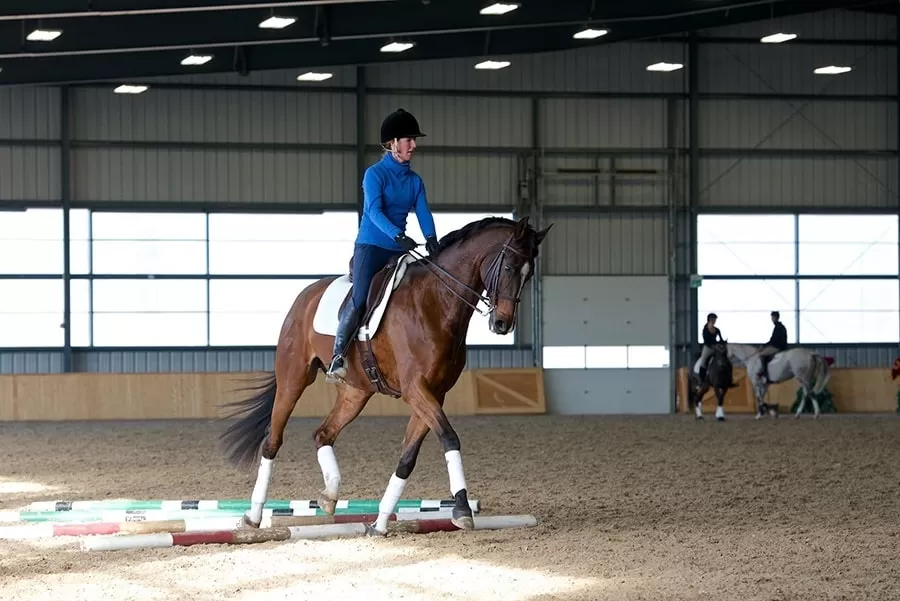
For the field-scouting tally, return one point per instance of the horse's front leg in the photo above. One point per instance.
(416, 430)
(720, 401)
(430, 409)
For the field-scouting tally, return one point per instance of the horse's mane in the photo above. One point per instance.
(467, 230)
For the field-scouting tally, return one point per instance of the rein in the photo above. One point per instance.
(493, 279)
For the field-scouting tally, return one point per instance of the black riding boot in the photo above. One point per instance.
(346, 330)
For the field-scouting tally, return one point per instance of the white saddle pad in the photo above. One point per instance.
(325, 321)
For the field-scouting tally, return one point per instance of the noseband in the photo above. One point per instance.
(492, 280)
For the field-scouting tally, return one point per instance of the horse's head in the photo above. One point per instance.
(506, 271)
(721, 348)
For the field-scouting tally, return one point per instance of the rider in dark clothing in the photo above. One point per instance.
(777, 343)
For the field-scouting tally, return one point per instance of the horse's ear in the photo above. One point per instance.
(521, 227)
(543, 233)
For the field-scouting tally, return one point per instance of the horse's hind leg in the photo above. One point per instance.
(416, 430)
(804, 394)
(291, 385)
(349, 403)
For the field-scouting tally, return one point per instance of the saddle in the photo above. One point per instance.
(377, 287)
(374, 296)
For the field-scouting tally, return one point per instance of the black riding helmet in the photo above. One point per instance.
(399, 124)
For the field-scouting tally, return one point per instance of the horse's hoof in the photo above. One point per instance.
(326, 504)
(371, 531)
(465, 522)
(246, 522)
(699, 417)
(720, 419)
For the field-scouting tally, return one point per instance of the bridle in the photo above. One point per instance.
(492, 280)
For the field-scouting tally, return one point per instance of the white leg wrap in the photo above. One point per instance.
(331, 474)
(455, 471)
(388, 503)
(260, 489)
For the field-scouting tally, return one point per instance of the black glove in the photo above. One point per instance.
(431, 245)
(405, 242)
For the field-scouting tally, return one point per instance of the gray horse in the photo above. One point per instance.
(808, 367)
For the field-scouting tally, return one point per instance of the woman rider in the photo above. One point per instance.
(391, 189)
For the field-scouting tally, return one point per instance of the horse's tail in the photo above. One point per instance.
(242, 440)
(822, 373)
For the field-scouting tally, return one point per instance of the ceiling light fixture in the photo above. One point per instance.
(44, 35)
(492, 65)
(130, 89)
(777, 38)
(196, 59)
(397, 47)
(664, 67)
(499, 8)
(313, 76)
(274, 22)
(831, 70)
(590, 34)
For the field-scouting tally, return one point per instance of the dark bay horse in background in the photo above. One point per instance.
(418, 354)
(716, 375)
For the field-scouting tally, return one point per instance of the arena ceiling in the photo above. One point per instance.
(116, 40)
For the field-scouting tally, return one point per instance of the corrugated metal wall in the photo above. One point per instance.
(489, 135)
(812, 150)
(204, 146)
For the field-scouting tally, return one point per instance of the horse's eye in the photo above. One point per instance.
(508, 268)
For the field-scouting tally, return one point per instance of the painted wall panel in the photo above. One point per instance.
(608, 391)
(226, 176)
(215, 116)
(817, 125)
(601, 68)
(786, 69)
(611, 244)
(809, 182)
(602, 123)
(605, 311)
(30, 113)
(29, 173)
(457, 120)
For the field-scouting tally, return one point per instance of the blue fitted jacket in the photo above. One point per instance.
(391, 190)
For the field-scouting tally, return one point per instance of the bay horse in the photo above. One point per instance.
(418, 354)
(810, 369)
(716, 375)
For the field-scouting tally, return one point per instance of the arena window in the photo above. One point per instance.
(848, 245)
(848, 311)
(148, 243)
(739, 255)
(282, 244)
(250, 312)
(744, 307)
(31, 313)
(31, 242)
(742, 245)
(144, 312)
